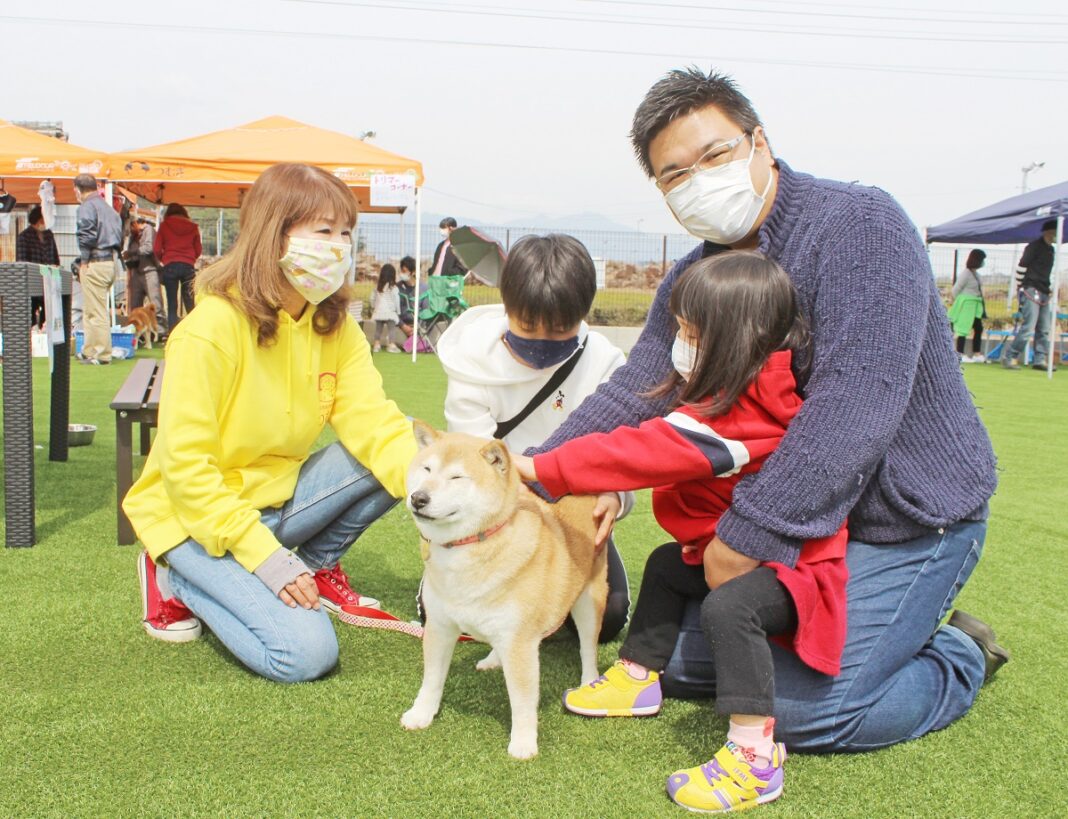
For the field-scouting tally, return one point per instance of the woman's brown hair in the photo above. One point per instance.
(249, 276)
(743, 307)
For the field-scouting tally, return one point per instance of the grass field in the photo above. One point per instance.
(96, 719)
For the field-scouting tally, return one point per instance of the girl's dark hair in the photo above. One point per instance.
(387, 276)
(174, 209)
(975, 259)
(743, 308)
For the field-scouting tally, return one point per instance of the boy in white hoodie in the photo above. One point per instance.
(499, 358)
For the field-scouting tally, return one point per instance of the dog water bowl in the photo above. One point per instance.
(80, 434)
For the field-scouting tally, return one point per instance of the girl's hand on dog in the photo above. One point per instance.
(525, 466)
(604, 515)
(301, 592)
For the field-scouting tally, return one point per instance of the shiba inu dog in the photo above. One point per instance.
(501, 565)
(146, 328)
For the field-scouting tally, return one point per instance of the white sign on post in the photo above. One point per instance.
(392, 190)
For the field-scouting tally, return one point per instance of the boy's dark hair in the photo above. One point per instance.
(681, 92)
(407, 263)
(448, 221)
(975, 259)
(743, 308)
(387, 275)
(35, 215)
(549, 281)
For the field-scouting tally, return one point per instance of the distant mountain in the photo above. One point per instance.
(575, 221)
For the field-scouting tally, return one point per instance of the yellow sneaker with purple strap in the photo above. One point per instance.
(728, 782)
(616, 694)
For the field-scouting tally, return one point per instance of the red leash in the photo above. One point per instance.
(365, 617)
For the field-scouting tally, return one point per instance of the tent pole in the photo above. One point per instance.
(402, 233)
(1051, 353)
(418, 265)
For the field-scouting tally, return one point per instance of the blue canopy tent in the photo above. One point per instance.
(1018, 219)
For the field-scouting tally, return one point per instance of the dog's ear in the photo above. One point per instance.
(496, 455)
(425, 434)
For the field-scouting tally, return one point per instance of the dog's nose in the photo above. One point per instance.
(419, 499)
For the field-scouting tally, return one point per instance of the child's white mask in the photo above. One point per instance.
(683, 357)
(316, 268)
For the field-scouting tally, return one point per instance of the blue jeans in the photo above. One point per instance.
(1034, 321)
(902, 676)
(335, 500)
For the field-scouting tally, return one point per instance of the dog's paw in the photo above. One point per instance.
(523, 748)
(489, 663)
(415, 719)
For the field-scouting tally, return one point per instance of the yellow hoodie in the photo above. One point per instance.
(236, 421)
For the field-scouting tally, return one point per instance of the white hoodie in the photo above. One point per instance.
(487, 384)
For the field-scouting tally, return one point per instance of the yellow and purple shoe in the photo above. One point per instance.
(616, 694)
(728, 782)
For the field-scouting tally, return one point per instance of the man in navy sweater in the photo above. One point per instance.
(888, 436)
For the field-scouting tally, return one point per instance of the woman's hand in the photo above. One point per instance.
(722, 563)
(301, 592)
(604, 515)
(525, 466)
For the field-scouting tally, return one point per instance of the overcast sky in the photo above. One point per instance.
(522, 108)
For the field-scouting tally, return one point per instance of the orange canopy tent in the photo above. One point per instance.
(216, 169)
(27, 158)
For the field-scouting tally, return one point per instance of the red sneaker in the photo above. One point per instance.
(165, 619)
(335, 591)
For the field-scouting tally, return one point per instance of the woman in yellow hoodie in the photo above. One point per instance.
(268, 357)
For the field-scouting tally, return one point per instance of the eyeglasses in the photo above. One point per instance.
(714, 157)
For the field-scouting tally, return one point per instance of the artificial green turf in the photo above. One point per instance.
(98, 719)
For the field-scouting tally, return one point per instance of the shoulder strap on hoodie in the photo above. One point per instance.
(557, 378)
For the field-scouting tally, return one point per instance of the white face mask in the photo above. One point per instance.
(444, 233)
(683, 357)
(316, 268)
(719, 204)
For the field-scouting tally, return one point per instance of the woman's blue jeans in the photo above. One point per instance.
(902, 675)
(335, 500)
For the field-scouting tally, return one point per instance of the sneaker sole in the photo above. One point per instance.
(646, 711)
(183, 636)
(331, 606)
(763, 799)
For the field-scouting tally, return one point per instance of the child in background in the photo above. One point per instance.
(739, 330)
(385, 309)
(500, 358)
(406, 289)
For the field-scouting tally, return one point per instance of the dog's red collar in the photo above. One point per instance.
(478, 537)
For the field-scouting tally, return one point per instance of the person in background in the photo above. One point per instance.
(406, 288)
(99, 242)
(1033, 273)
(385, 309)
(36, 244)
(177, 247)
(968, 309)
(144, 270)
(445, 262)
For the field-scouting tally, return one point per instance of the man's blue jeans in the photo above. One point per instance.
(902, 676)
(335, 500)
(1034, 321)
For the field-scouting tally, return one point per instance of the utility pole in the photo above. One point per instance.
(1034, 165)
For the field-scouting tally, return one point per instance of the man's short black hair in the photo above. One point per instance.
(681, 92)
(85, 182)
(447, 222)
(407, 263)
(548, 281)
(1049, 225)
(36, 215)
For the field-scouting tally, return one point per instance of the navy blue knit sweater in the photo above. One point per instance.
(888, 435)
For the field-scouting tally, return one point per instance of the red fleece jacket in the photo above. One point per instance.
(177, 240)
(693, 464)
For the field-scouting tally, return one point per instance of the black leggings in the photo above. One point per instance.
(736, 618)
(175, 275)
(977, 339)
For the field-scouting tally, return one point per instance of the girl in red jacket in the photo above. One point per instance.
(740, 335)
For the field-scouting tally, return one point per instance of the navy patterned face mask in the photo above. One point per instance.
(541, 353)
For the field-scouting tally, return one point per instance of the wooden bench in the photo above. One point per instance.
(136, 402)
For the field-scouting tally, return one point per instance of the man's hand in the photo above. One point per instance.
(302, 592)
(525, 466)
(722, 563)
(604, 515)
(82, 267)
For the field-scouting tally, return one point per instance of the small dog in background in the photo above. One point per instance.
(501, 565)
(146, 328)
